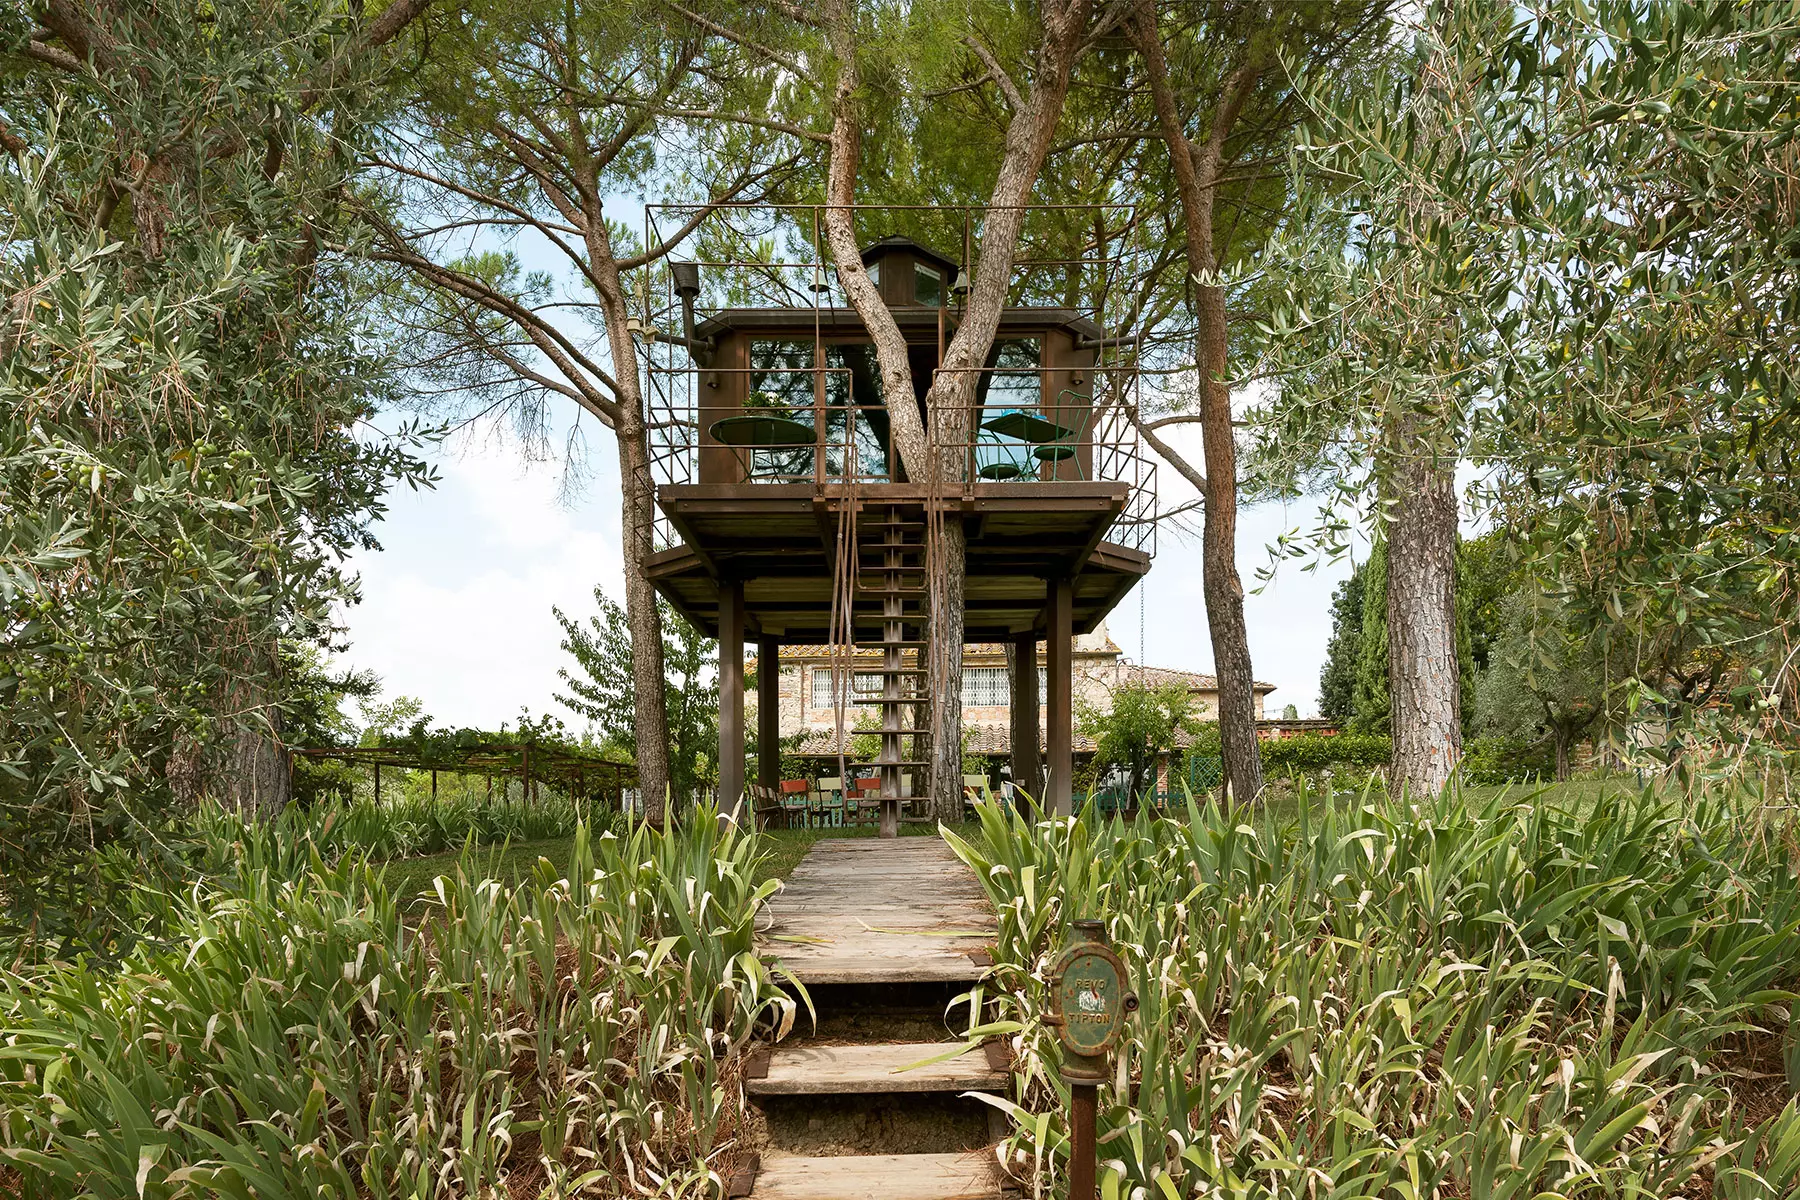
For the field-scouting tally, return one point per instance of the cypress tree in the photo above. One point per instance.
(1337, 680)
(1372, 708)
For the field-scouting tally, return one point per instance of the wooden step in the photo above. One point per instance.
(841, 1070)
(967, 1176)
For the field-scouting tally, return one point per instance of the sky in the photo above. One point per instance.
(456, 607)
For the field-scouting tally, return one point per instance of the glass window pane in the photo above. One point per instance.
(821, 688)
(781, 382)
(928, 285)
(1014, 382)
(857, 382)
(984, 687)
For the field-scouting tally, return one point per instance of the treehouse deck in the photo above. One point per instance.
(780, 542)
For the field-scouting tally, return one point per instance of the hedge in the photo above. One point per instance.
(1316, 751)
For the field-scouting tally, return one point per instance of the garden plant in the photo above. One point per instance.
(293, 1035)
(1381, 998)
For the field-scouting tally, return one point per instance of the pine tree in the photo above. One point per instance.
(605, 689)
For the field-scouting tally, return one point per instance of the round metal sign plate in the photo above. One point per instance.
(1087, 990)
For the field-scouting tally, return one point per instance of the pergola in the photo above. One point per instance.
(580, 774)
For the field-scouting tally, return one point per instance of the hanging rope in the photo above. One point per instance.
(841, 631)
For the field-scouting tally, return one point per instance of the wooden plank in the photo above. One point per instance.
(871, 910)
(843, 1070)
(967, 1176)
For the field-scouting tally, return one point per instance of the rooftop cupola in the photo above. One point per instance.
(908, 274)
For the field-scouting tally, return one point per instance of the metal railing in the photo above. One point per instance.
(761, 256)
(994, 443)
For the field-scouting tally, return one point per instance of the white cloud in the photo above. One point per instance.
(456, 608)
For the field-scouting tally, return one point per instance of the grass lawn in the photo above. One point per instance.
(408, 877)
(786, 847)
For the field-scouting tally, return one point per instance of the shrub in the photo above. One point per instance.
(299, 1039)
(1382, 998)
(1497, 760)
(1317, 752)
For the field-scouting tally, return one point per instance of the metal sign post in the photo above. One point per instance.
(1088, 1004)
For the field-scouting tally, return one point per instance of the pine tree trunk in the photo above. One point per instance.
(1197, 168)
(947, 617)
(1220, 583)
(1421, 604)
(637, 528)
(650, 715)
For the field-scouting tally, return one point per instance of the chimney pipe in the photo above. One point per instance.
(687, 285)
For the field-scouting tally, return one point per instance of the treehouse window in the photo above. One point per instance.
(1012, 379)
(781, 379)
(928, 285)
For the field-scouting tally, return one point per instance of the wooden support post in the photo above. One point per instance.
(1059, 668)
(1027, 767)
(378, 784)
(768, 712)
(731, 696)
(434, 786)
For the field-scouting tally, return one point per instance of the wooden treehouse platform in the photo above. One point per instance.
(781, 541)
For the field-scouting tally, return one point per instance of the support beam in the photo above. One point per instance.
(1059, 734)
(768, 712)
(731, 697)
(1027, 767)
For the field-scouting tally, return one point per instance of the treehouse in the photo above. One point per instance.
(787, 516)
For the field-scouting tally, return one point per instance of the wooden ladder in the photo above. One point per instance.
(892, 561)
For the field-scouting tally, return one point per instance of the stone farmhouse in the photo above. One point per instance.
(1099, 668)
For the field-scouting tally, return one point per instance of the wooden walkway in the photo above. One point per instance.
(879, 910)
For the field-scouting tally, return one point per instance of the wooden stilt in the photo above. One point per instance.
(731, 697)
(1059, 669)
(1027, 765)
(768, 712)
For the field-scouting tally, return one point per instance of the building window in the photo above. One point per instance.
(1012, 381)
(928, 285)
(985, 687)
(821, 688)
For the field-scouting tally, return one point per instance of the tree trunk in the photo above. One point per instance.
(949, 400)
(650, 715)
(1220, 583)
(637, 528)
(1563, 738)
(1197, 169)
(1423, 674)
(946, 683)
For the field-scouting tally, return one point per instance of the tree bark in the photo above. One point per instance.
(947, 598)
(1197, 170)
(650, 711)
(1423, 672)
(952, 392)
